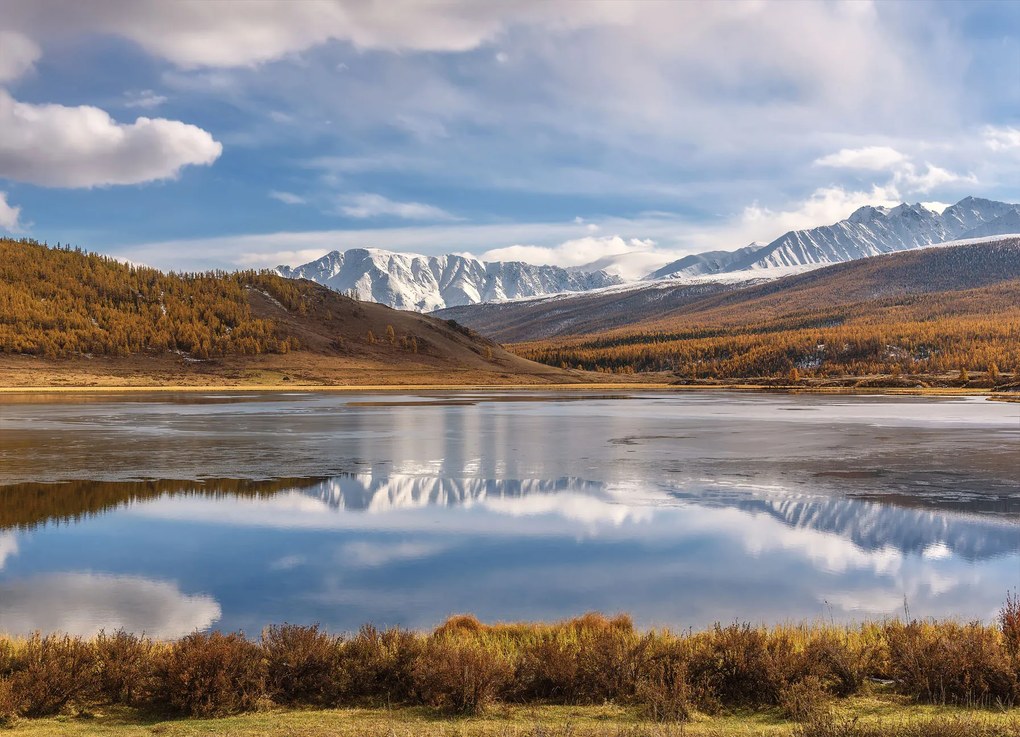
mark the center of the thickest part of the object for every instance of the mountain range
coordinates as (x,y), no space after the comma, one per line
(425,283)
(429,283)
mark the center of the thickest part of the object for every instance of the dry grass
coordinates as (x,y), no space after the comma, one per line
(787,674)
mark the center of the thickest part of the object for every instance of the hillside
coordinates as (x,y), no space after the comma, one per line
(931,311)
(74,317)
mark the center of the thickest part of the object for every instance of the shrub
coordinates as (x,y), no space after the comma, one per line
(950,663)
(546,670)
(1009,621)
(606,658)
(380,665)
(211,675)
(744,666)
(304,665)
(662,688)
(53,672)
(9,706)
(460,675)
(125,667)
(804,700)
(844,659)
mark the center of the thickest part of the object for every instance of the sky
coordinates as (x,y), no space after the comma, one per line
(187,134)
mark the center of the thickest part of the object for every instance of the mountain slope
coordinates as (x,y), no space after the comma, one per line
(872,231)
(709,262)
(927,311)
(86,312)
(426,283)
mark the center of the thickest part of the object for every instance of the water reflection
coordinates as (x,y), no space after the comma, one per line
(412,549)
(167,514)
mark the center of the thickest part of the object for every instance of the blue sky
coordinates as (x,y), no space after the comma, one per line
(223,134)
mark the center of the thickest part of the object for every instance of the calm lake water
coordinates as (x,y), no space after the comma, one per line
(169,513)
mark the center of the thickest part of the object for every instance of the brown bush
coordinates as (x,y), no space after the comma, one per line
(53,672)
(662,688)
(742,665)
(607,657)
(125,667)
(380,665)
(546,670)
(1009,621)
(843,659)
(804,700)
(951,663)
(211,675)
(9,706)
(304,665)
(460,675)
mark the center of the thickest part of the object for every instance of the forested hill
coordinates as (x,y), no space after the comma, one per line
(931,311)
(60,303)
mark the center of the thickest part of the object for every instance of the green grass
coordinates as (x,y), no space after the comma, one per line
(885,712)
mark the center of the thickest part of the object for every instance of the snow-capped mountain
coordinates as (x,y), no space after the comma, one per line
(871,231)
(704,264)
(425,283)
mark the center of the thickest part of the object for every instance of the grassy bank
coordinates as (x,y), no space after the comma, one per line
(856,717)
(777,676)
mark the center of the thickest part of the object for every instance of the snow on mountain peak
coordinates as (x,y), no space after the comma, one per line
(410,281)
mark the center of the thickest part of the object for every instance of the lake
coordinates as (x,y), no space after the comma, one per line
(174,512)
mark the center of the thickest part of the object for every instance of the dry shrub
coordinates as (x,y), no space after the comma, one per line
(953,663)
(9,706)
(304,665)
(460,674)
(53,672)
(125,667)
(607,656)
(742,665)
(546,670)
(211,675)
(1009,621)
(380,665)
(804,700)
(844,659)
(662,688)
(460,624)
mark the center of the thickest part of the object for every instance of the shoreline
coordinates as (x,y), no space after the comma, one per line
(543,387)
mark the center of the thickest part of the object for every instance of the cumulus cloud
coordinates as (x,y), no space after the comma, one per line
(1002,138)
(630,258)
(18,54)
(85,603)
(907,176)
(59,146)
(8,547)
(824,206)
(368,205)
(8,214)
(197,33)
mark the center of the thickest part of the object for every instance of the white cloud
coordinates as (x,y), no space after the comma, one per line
(58,146)
(18,54)
(146,99)
(873,158)
(906,176)
(824,206)
(288,198)
(367,554)
(8,547)
(85,603)
(1002,138)
(9,214)
(630,258)
(368,205)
